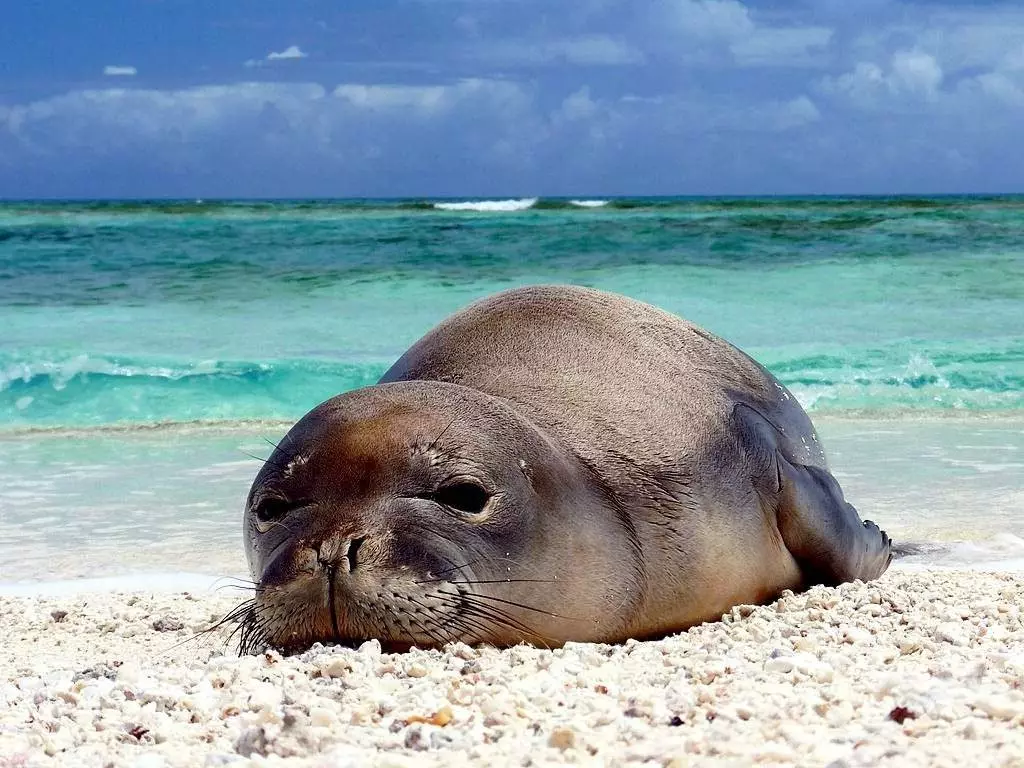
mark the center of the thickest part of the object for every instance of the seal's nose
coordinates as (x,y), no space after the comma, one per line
(340,552)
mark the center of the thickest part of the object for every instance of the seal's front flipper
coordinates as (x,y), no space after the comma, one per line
(822,531)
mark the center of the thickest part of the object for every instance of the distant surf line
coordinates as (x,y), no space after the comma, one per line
(511,205)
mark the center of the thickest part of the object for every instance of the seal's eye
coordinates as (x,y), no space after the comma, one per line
(271,508)
(464,496)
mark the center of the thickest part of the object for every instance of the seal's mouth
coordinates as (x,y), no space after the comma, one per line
(345,592)
(291,618)
(329,606)
(331,572)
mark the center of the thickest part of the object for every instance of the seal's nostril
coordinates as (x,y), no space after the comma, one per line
(330,551)
(352,554)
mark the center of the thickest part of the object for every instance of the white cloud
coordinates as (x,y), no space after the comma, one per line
(101,120)
(785,46)
(724,31)
(577,106)
(965,38)
(596,49)
(1014,60)
(862,84)
(427,98)
(586,50)
(696,114)
(767,117)
(951,63)
(291,52)
(295,117)
(709,19)
(472,127)
(113,70)
(794,113)
(355,138)
(915,72)
(1001,87)
(911,75)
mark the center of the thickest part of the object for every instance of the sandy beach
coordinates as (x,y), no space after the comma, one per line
(923,667)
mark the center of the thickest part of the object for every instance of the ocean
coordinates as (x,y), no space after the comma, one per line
(150,349)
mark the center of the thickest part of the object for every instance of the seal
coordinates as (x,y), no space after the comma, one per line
(551,463)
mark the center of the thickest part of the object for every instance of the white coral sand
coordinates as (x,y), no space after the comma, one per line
(921,668)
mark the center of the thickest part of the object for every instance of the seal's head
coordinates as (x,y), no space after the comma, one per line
(421,512)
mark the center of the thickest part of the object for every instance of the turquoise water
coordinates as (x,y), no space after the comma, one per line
(125,326)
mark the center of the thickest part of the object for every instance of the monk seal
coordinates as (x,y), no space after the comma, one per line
(551,463)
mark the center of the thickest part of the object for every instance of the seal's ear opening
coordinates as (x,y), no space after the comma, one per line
(465,496)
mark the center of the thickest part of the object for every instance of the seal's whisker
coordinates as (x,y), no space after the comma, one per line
(432,443)
(493,613)
(249,626)
(265,461)
(237,617)
(229,577)
(488,581)
(207,634)
(288,438)
(241,631)
(519,605)
(467,629)
(243,585)
(502,619)
(440,642)
(473,625)
(458,567)
(195,637)
(272,444)
(238,612)
(471,621)
(289,457)
(465,605)
(252,636)
(519,566)
(238,580)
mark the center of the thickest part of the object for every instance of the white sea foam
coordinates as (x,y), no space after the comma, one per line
(489,206)
(589,203)
(62,372)
(1002,552)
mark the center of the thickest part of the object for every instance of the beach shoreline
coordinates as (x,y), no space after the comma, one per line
(102,506)
(922,667)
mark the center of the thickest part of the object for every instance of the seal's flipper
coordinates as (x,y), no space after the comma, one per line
(823,532)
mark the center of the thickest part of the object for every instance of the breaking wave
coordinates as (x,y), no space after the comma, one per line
(489,206)
(91,391)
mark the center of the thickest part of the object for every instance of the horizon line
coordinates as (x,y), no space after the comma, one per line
(482,198)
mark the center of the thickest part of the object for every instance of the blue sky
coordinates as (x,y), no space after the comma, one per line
(177,98)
